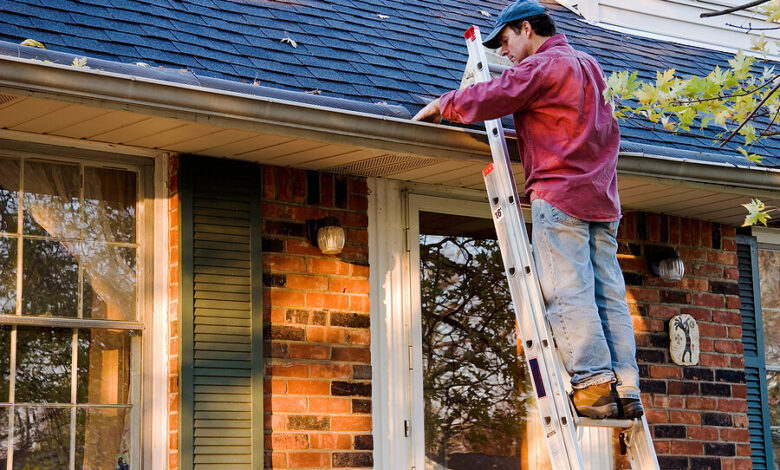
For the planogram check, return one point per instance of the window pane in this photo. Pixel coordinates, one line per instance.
(41, 438)
(109, 204)
(5, 365)
(102, 438)
(43, 364)
(9, 195)
(51, 199)
(4, 436)
(768, 268)
(104, 366)
(109, 282)
(50, 284)
(478, 399)
(8, 275)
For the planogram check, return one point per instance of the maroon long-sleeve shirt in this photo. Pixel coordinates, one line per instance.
(567, 135)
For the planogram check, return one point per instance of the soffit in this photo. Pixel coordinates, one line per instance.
(22, 116)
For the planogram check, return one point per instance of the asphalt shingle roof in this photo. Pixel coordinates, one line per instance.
(400, 52)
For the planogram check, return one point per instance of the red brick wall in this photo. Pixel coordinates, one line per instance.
(173, 313)
(697, 414)
(316, 324)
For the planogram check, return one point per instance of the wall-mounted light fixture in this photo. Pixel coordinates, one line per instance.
(665, 262)
(326, 234)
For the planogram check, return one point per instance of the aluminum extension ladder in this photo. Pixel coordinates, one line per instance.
(562, 427)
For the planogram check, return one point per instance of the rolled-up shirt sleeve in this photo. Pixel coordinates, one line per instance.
(513, 91)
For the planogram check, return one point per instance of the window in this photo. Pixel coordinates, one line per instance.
(769, 285)
(70, 321)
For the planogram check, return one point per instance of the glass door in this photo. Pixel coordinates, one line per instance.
(473, 405)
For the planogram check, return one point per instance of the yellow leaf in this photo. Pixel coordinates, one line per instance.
(33, 43)
(80, 62)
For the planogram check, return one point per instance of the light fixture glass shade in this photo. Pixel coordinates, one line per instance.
(330, 239)
(671, 269)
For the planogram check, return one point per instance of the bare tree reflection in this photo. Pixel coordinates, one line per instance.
(474, 383)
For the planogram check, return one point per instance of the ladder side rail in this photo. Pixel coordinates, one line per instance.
(559, 431)
(526, 294)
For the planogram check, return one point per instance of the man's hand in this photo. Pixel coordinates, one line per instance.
(431, 112)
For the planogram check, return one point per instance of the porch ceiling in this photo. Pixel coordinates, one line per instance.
(75, 124)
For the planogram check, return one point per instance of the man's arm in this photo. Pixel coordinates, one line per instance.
(431, 112)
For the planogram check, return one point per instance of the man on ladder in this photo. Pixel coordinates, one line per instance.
(569, 142)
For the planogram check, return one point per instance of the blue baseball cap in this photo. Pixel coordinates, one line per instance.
(519, 10)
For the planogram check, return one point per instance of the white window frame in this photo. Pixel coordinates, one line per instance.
(396, 344)
(151, 418)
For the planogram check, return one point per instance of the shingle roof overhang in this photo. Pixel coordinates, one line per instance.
(154, 92)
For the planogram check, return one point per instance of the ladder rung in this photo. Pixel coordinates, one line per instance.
(604, 423)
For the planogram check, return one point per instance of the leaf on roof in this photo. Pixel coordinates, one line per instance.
(485, 13)
(33, 43)
(80, 62)
(382, 17)
(314, 92)
(290, 41)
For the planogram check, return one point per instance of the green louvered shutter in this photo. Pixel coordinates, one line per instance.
(753, 339)
(221, 389)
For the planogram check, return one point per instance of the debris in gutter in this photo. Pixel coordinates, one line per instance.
(142, 64)
(33, 43)
(80, 62)
(314, 92)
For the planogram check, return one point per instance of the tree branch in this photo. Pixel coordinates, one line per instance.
(753, 113)
(744, 6)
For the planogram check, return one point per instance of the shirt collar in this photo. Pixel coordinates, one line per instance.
(556, 40)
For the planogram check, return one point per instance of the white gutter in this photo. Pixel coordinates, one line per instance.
(261, 114)
(235, 110)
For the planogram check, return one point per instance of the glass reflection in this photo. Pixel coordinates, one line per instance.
(51, 199)
(5, 365)
(768, 267)
(9, 195)
(109, 204)
(43, 365)
(50, 285)
(109, 282)
(8, 275)
(41, 438)
(103, 366)
(102, 438)
(4, 436)
(478, 401)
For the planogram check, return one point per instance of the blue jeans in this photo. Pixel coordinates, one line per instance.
(585, 294)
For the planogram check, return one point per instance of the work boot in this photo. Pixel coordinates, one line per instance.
(630, 408)
(596, 401)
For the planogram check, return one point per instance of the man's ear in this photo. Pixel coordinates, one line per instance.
(527, 29)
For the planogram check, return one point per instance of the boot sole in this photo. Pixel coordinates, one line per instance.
(599, 412)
